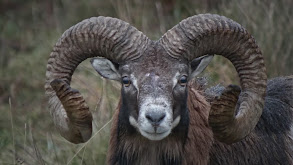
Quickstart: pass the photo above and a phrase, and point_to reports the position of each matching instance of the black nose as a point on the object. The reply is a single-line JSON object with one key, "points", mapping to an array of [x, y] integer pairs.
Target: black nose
{"points": [[155, 118]]}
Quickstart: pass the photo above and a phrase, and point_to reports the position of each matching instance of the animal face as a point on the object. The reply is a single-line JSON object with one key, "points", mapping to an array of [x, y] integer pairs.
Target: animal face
{"points": [[154, 92], [150, 78]]}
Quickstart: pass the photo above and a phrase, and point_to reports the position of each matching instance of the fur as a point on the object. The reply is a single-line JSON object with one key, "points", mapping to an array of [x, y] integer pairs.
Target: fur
{"points": [[270, 143]]}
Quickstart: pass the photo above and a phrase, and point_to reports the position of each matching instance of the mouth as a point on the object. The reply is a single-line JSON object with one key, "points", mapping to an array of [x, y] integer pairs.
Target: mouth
{"points": [[155, 135]]}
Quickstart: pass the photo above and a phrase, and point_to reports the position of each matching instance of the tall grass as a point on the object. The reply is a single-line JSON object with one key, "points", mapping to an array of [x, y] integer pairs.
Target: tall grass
{"points": [[29, 29]]}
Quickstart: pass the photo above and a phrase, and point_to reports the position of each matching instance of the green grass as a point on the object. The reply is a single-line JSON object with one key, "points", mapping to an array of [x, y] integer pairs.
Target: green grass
{"points": [[28, 31]]}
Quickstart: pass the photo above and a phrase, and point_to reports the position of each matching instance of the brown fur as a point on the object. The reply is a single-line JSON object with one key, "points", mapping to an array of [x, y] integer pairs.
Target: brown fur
{"points": [[113, 136], [270, 142], [200, 136], [195, 150]]}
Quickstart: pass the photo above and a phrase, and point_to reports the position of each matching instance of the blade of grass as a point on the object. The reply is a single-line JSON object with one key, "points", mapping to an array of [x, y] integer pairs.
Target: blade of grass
{"points": [[54, 147], [89, 141], [24, 143], [82, 155], [36, 150], [12, 130]]}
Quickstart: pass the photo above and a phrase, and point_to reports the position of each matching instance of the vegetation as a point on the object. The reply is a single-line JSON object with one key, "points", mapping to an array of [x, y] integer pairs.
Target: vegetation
{"points": [[29, 29]]}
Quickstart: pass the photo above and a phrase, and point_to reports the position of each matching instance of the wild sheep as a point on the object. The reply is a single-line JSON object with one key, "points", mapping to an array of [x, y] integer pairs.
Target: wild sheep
{"points": [[163, 117]]}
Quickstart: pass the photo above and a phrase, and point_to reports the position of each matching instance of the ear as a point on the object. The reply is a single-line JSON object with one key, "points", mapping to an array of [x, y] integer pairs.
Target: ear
{"points": [[106, 68], [199, 64]]}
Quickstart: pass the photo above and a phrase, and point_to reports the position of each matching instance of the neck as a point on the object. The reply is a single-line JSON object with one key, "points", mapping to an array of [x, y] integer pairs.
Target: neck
{"points": [[136, 149]]}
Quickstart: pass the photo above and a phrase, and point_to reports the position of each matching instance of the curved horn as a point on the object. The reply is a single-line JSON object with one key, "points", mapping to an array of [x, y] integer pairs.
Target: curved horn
{"points": [[98, 36], [213, 34]]}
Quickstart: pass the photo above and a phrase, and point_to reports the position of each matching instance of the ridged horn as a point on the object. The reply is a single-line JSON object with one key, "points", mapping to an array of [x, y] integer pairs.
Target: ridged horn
{"points": [[213, 34], [98, 36]]}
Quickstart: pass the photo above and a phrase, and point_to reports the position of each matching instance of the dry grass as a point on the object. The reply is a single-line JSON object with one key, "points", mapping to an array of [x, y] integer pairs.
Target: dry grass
{"points": [[29, 29]]}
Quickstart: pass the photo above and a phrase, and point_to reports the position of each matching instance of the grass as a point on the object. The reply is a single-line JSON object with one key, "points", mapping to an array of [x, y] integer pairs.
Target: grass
{"points": [[29, 29]]}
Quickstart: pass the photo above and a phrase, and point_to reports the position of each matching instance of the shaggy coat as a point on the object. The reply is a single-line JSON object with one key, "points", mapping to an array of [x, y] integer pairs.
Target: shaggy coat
{"points": [[160, 120], [270, 143]]}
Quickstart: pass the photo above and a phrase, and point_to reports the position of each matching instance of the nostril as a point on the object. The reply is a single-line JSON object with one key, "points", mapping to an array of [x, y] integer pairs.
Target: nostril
{"points": [[155, 118], [162, 117], [148, 116]]}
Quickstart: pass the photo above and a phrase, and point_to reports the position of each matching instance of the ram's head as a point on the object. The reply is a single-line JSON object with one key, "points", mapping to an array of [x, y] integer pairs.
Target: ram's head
{"points": [[154, 75]]}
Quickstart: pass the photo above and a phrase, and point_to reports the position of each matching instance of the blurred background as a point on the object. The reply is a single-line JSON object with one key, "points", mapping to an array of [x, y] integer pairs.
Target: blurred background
{"points": [[29, 29]]}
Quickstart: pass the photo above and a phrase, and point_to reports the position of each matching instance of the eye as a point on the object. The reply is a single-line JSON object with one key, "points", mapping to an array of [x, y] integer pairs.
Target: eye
{"points": [[183, 80], [126, 81]]}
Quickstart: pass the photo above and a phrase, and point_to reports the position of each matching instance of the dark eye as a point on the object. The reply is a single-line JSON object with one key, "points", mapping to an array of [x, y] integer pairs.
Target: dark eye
{"points": [[183, 80], [126, 81]]}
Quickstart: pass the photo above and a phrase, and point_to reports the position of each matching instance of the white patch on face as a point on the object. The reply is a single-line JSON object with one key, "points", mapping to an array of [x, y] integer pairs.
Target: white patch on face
{"points": [[145, 127], [176, 122], [134, 80], [133, 122], [175, 79]]}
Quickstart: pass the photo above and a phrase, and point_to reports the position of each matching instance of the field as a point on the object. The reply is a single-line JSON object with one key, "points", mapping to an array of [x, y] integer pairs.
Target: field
{"points": [[29, 29]]}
